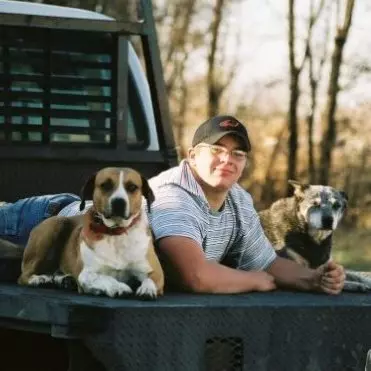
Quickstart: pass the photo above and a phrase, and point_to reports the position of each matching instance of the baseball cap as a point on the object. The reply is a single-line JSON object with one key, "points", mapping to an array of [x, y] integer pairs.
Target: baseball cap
{"points": [[217, 127]]}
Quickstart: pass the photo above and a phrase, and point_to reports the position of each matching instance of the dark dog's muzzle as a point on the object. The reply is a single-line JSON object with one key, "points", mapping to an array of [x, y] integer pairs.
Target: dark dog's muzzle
{"points": [[327, 222], [327, 218]]}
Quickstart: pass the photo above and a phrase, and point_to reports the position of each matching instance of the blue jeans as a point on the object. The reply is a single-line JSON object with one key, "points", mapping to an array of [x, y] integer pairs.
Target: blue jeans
{"points": [[17, 219]]}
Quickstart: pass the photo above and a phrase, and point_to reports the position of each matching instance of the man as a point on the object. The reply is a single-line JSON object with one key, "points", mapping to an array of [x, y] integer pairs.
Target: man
{"points": [[206, 228]]}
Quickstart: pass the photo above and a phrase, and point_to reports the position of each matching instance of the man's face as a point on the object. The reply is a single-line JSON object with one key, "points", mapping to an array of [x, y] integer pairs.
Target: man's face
{"points": [[219, 166]]}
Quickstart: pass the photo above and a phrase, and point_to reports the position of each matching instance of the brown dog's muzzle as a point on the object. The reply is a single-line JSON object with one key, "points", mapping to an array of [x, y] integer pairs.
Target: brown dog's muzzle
{"points": [[118, 208]]}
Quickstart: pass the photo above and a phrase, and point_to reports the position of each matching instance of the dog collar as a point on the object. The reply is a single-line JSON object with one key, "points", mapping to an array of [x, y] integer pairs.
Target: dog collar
{"points": [[97, 226]]}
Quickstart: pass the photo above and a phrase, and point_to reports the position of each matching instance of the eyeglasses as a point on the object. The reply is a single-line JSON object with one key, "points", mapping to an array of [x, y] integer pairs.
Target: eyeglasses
{"points": [[217, 150]]}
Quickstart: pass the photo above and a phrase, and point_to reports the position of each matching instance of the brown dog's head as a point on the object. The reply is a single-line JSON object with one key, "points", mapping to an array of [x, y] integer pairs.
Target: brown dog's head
{"points": [[117, 194]]}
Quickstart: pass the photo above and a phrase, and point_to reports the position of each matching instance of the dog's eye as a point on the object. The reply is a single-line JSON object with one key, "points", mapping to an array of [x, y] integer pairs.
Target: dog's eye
{"points": [[336, 205], [107, 185], [131, 187]]}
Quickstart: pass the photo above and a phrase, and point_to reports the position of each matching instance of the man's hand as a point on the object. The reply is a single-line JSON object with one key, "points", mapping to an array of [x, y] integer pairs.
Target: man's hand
{"points": [[264, 281], [330, 278]]}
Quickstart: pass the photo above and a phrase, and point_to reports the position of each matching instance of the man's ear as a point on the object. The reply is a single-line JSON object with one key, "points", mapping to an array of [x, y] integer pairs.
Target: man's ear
{"points": [[191, 154], [299, 188], [87, 190], [147, 193]]}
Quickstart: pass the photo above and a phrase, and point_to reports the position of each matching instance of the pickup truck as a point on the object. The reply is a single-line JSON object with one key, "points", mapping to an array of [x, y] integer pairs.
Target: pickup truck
{"points": [[74, 98]]}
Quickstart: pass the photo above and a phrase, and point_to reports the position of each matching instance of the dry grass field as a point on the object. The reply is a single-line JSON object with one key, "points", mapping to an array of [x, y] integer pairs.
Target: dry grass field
{"points": [[352, 248]]}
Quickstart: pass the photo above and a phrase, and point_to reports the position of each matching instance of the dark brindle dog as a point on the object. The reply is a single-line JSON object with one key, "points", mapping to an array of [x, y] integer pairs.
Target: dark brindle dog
{"points": [[300, 228]]}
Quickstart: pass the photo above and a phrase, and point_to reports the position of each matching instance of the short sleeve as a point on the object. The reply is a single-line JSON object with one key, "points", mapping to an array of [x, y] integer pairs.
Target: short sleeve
{"points": [[252, 249], [176, 213], [257, 252]]}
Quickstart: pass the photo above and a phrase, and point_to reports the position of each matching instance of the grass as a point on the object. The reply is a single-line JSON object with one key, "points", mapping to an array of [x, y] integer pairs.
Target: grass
{"points": [[352, 248]]}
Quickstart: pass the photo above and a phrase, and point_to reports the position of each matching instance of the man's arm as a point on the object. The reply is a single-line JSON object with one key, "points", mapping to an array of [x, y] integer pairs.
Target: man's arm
{"points": [[328, 278], [192, 272]]}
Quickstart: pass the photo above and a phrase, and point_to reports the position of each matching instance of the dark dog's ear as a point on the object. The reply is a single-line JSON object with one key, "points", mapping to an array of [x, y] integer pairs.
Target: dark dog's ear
{"points": [[147, 193], [345, 197], [299, 188], [87, 190]]}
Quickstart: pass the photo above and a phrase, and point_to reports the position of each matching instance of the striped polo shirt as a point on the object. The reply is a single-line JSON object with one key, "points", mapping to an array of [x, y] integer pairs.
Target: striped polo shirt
{"points": [[74, 208], [232, 235]]}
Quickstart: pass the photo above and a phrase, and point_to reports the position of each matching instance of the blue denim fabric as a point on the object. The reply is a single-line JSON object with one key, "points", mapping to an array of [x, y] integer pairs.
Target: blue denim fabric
{"points": [[18, 218]]}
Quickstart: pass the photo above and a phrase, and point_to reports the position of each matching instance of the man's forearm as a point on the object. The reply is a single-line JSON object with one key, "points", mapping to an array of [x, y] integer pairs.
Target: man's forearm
{"points": [[290, 274], [186, 268], [218, 279]]}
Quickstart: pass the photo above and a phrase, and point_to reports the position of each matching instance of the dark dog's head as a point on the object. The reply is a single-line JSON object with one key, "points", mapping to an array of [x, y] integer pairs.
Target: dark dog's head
{"points": [[322, 207], [117, 194]]}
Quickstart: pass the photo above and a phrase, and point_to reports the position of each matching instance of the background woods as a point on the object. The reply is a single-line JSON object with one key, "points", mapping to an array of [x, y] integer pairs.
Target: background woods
{"points": [[293, 72], [298, 73]]}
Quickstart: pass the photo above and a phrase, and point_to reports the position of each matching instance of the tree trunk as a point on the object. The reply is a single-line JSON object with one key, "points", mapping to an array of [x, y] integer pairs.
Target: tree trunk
{"points": [[214, 92], [187, 12], [267, 194], [329, 119], [181, 120], [311, 162], [294, 97], [293, 126], [295, 72], [183, 106], [314, 79]]}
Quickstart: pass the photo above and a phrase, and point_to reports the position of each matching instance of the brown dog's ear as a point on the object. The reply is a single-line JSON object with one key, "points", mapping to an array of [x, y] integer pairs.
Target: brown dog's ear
{"points": [[147, 193], [87, 190], [299, 188]]}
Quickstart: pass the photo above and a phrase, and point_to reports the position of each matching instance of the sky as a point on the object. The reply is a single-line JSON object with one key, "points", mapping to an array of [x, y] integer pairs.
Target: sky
{"points": [[263, 50]]}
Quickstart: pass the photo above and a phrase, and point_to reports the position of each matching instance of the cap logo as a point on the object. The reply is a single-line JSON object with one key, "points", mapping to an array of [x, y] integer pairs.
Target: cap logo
{"points": [[229, 124]]}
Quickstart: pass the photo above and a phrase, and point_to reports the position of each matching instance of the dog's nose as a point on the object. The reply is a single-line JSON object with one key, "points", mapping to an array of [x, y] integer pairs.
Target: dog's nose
{"points": [[327, 222], [118, 206]]}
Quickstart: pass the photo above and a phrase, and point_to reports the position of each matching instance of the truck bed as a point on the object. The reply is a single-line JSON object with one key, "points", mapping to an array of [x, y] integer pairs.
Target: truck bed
{"points": [[259, 331]]}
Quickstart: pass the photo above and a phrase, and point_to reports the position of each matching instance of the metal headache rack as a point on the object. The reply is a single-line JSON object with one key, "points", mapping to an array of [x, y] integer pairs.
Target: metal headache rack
{"points": [[67, 99], [53, 49], [44, 95]]}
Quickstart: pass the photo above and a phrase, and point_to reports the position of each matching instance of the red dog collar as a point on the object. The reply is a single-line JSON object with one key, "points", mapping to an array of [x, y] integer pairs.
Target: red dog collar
{"points": [[98, 227]]}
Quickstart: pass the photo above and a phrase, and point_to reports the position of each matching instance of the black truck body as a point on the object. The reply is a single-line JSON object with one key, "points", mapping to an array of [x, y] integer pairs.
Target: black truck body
{"points": [[46, 329]]}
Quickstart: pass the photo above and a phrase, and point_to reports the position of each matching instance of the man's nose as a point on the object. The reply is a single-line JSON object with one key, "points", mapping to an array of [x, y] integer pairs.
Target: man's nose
{"points": [[225, 156]]}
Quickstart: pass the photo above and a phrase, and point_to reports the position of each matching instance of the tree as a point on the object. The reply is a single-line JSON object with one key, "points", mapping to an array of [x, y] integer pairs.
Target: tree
{"points": [[216, 85], [180, 16], [314, 80], [295, 71], [179, 38], [329, 120], [294, 98]]}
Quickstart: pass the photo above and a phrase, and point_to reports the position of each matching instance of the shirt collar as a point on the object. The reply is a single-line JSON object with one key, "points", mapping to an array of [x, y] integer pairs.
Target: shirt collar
{"points": [[189, 182], [180, 176], [183, 177]]}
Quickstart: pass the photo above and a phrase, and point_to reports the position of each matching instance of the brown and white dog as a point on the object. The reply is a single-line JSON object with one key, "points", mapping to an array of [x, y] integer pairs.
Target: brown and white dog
{"points": [[102, 250]]}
